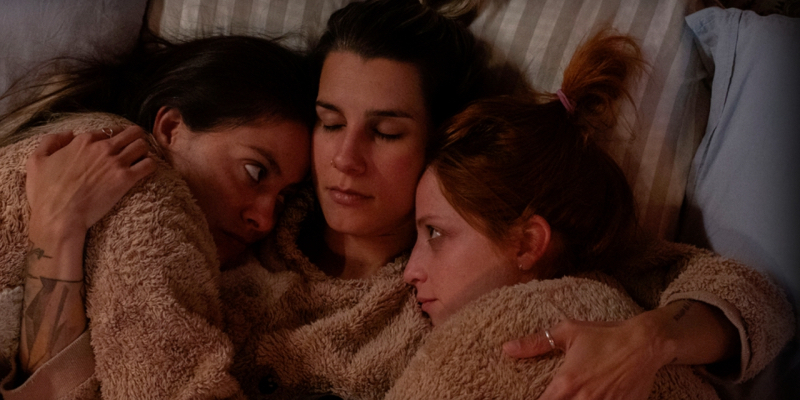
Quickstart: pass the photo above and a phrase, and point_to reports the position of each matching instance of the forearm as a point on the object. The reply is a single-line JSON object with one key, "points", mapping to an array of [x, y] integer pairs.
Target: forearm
{"points": [[53, 303], [694, 333]]}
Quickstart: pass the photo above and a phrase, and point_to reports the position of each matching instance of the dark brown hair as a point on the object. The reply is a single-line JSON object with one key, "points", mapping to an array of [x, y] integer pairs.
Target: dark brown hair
{"points": [[220, 81], [452, 63], [506, 159]]}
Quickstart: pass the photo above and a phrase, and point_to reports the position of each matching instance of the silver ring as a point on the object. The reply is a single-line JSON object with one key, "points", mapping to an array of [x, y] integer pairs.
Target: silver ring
{"points": [[108, 131], [550, 339]]}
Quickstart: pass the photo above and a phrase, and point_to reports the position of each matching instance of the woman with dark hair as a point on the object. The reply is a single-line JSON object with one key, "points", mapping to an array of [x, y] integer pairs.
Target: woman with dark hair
{"points": [[523, 220], [229, 119], [324, 309]]}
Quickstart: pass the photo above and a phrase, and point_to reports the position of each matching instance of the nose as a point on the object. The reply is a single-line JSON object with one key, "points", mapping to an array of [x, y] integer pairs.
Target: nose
{"points": [[414, 272], [260, 216], [349, 157]]}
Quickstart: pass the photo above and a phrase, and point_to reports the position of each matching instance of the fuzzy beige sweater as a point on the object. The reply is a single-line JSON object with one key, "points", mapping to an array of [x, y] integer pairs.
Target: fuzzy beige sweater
{"points": [[156, 314], [463, 359], [299, 332], [152, 289]]}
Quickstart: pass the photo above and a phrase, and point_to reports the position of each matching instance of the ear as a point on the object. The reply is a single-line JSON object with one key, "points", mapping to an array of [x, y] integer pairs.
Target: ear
{"points": [[533, 242], [168, 126]]}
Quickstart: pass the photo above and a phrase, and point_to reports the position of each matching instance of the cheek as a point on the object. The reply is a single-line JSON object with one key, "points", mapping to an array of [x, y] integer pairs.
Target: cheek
{"points": [[322, 145], [472, 274], [215, 190], [403, 173], [322, 152]]}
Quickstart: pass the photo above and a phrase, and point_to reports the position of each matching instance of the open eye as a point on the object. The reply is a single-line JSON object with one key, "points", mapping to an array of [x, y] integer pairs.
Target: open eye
{"points": [[433, 233], [255, 171]]}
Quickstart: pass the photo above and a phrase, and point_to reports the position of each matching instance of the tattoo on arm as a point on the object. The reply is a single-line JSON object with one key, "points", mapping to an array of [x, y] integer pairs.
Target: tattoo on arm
{"points": [[53, 316], [686, 305], [38, 253]]}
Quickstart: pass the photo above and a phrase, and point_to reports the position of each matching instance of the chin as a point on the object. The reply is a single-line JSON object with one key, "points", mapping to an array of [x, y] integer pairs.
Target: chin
{"points": [[228, 250], [350, 225]]}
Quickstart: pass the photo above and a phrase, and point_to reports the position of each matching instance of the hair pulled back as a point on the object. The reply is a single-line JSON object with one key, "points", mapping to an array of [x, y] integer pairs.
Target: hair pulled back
{"points": [[215, 81], [450, 61], [508, 158]]}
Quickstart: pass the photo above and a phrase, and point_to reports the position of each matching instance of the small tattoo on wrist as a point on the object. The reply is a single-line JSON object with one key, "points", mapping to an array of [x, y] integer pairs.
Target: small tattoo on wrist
{"points": [[54, 280], [38, 253]]}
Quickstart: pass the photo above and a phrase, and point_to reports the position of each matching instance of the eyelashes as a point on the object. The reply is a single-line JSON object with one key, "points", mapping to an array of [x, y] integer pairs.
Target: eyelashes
{"points": [[433, 233]]}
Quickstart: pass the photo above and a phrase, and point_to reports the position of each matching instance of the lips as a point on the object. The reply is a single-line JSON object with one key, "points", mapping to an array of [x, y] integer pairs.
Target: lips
{"points": [[425, 303], [347, 197], [241, 239]]}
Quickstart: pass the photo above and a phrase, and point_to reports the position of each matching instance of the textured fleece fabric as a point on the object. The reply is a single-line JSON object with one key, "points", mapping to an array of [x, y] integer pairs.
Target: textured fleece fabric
{"points": [[152, 279], [463, 358], [299, 332]]}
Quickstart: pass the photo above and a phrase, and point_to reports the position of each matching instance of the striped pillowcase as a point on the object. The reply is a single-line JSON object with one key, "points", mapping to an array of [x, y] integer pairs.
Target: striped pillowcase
{"points": [[654, 145]]}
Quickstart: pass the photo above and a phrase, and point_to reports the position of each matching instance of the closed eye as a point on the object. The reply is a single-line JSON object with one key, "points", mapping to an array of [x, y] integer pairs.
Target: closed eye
{"points": [[332, 128], [386, 136]]}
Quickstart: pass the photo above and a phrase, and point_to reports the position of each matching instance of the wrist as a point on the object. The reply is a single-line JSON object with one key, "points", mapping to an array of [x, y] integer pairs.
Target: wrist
{"points": [[658, 328], [55, 229], [56, 253]]}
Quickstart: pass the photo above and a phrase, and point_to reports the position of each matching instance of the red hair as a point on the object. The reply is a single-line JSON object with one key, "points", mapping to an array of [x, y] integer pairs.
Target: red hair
{"points": [[508, 158]]}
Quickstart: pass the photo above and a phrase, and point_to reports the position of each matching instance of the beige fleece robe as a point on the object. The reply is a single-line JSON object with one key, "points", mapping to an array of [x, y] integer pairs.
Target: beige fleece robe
{"points": [[299, 332], [463, 359], [152, 290]]}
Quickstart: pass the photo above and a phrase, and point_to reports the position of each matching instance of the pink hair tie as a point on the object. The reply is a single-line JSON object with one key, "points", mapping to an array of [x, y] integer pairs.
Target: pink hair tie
{"points": [[565, 101]]}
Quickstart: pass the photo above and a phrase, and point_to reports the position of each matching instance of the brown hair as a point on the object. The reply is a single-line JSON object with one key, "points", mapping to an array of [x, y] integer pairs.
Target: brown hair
{"points": [[452, 63], [218, 81], [506, 159]]}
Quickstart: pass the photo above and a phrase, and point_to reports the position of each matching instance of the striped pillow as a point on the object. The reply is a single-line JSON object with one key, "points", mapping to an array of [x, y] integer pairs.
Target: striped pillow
{"points": [[654, 146]]}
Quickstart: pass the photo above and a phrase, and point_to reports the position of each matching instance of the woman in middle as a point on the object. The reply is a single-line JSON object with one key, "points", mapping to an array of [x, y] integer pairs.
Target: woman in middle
{"points": [[324, 309]]}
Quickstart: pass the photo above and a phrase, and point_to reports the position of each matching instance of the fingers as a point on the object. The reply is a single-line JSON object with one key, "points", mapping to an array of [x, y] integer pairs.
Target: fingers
{"points": [[539, 343], [128, 144], [142, 168], [52, 143], [133, 152], [125, 137], [528, 346], [125, 147]]}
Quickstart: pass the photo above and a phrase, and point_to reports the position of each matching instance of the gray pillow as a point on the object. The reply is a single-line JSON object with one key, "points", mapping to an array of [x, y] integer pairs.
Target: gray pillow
{"points": [[33, 32]]}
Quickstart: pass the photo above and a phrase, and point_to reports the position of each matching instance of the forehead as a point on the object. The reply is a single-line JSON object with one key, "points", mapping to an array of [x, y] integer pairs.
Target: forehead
{"points": [[379, 83], [283, 142], [430, 200]]}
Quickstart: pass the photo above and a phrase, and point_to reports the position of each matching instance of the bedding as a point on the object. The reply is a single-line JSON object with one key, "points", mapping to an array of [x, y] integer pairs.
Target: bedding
{"points": [[743, 191], [35, 31]]}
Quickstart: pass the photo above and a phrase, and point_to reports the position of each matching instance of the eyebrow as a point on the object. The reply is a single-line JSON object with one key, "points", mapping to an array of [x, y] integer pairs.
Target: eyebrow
{"points": [[273, 165], [369, 113], [424, 219]]}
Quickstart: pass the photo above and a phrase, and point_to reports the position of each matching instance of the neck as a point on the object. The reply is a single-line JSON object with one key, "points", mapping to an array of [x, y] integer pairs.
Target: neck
{"points": [[349, 256]]}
